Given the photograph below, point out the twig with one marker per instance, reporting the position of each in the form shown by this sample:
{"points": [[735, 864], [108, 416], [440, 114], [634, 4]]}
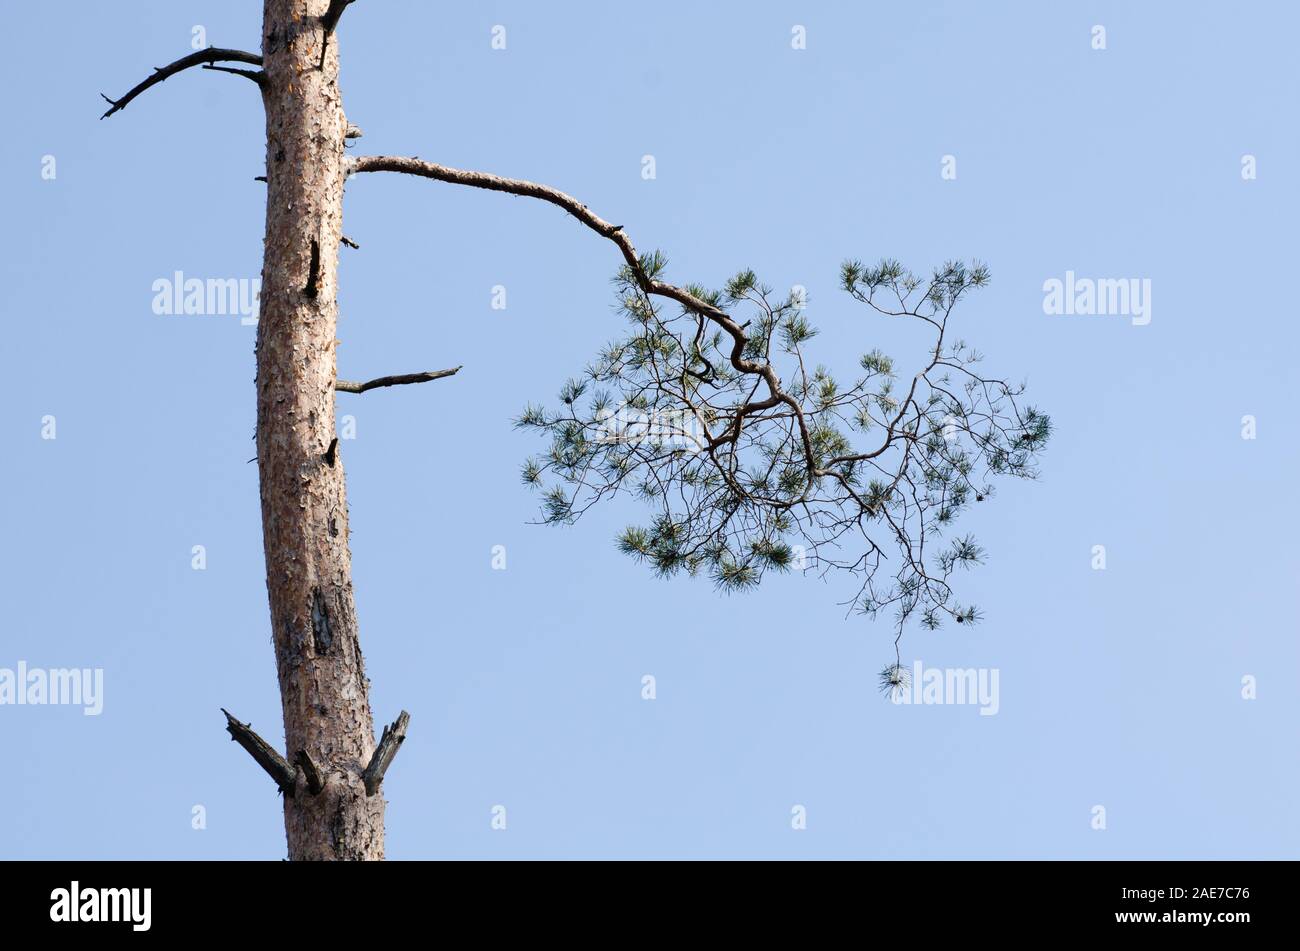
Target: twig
{"points": [[210, 55], [389, 744], [256, 75], [347, 386]]}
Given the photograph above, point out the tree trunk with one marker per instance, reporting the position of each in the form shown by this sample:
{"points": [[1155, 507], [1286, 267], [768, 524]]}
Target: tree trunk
{"points": [[323, 687]]}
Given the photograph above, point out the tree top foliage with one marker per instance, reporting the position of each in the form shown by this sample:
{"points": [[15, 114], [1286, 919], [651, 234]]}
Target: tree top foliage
{"points": [[753, 459]]}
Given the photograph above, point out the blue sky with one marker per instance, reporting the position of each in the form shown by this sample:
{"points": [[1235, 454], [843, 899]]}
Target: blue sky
{"points": [[1119, 687]]}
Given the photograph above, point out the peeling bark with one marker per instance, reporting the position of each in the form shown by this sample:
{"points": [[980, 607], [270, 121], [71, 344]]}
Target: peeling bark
{"points": [[323, 687]]}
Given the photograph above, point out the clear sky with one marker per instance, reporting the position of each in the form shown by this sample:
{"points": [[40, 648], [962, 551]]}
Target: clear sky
{"points": [[1119, 687]]}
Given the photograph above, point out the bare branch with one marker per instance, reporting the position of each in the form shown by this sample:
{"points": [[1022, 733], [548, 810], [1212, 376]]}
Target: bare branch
{"points": [[347, 386], [330, 21], [266, 756], [512, 186], [389, 744], [638, 267], [256, 75], [210, 55]]}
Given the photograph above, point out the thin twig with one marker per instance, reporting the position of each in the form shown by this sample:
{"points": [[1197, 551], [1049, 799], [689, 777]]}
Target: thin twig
{"points": [[256, 75], [347, 386]]}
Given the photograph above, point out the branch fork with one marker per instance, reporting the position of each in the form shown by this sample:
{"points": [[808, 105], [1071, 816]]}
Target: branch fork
{"points": [[206, 58], [285, 774]]}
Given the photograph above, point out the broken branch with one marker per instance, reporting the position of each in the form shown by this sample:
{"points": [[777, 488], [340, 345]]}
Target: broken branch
{"points": [[389, 743], [210, 55], [347, 386], [309, 772], [266, 756], [330, 22]]}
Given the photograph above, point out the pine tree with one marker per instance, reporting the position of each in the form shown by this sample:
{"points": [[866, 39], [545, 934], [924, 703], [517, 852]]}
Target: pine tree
{"points": [[750, 458]]}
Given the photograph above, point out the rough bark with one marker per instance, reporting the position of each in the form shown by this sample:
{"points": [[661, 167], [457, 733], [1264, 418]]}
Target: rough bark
{"points": [[323, 687]]}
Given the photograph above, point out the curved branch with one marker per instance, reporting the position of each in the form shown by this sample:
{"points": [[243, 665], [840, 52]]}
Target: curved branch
{"points": [[347, 386], [637, 267], [210, 55]]}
